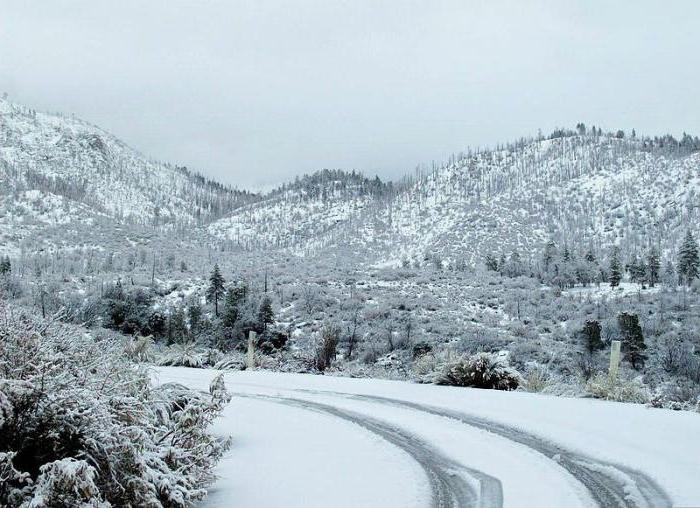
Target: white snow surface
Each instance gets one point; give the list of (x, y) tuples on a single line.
[(295, 456)]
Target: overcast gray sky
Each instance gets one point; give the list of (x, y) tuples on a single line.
[(255, 92)]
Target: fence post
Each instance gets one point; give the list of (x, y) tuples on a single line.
[(614, 359), (250, 356)]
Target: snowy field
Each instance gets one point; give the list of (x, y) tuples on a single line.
[(315, 441)]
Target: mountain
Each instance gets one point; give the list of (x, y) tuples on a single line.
[(580, 189), (59, 170), (305, 215), (65, 180)]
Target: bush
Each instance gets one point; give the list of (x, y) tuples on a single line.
[(183, 355), (679, 394), (326, 350), (537, 379), (80, 425), (482, 370), (601, 386), (421, 349)]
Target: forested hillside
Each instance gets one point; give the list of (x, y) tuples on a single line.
[(65, 162), (582, 188)]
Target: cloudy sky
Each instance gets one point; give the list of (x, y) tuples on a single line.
[(255, 92)]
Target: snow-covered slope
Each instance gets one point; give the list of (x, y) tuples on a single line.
[(581, 189), (301, 216), (577, 189), (62, 156)]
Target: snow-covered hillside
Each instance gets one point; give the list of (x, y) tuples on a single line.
[(303, 215), (66, 159), (580, 189)]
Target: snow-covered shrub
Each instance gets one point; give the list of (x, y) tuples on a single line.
[(426, 368), (601, 386), (536, 379), (482, 370), (326, 349), (14, 485), (231, 361), (80, 425), (140, 349), (678, 394), (183, 355), (67, 482)]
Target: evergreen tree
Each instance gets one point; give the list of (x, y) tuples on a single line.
[(176, 328), (688, 260), (653, 267), (235, 297), (591, 336), (216, 288), (266, 315), (615, 275), (194, 316), (231, 311), (637, 270), (590, 257), (238, 293), (491, 263), (5, 265), (633, 345), (669, 275), (514, 267)]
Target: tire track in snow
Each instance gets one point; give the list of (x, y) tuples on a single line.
[(449, 488), (611, 486)]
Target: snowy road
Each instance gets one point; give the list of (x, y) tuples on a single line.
[(322, 441)]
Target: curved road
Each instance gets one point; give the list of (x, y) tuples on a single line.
[(458, 447), (449, 488), (609, 485)]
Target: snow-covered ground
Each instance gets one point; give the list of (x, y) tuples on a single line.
[(595, 292), (302, 440)]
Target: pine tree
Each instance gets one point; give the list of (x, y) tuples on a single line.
[(216, 288), (637, 270), (502, 264), (176, 326), (653, 267), (688, 260), (231, 311), (194, 316), (566, 256), (235, 297), (669, 275), (615, 271), (591, 336), (491, 263), (266, 315), (633, 344), (5, 265)]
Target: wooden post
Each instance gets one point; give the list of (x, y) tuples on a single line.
[(614, 359), (250, 356)]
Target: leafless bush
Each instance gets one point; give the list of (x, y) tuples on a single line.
[(602, 386), (327, 349)]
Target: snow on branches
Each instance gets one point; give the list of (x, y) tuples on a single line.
[(80, 425)]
